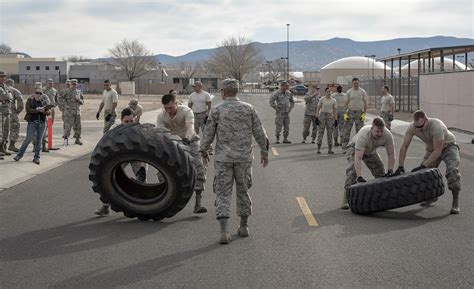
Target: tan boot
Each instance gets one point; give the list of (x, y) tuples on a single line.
[(345, 203), (243, 230), (455, 205), (198, 208), (225, 237)]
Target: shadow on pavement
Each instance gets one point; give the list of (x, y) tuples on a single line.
[(79, 236), (101, 278), (377, 223)]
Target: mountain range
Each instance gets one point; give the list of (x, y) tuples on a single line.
[(311, 55)]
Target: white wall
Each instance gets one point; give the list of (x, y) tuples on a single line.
[(449, 97)]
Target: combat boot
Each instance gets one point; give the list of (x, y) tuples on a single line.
[(277, 140), (313, 140), (66, 141), (319, 149), (78, 141), (12, 147), (225, 237), (4, 149), (428, 203), (103, 210), (198, 209), (330, 150), (304, 140), (44, 148), (243, 230), (285, 140), (455, 206), (345, 203), (336, 143)]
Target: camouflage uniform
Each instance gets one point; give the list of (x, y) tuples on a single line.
[(233, 123), (311, 102), (355, 112), (341, 99), (283, 103), (326, 121), (450, 156), (199, 121), (16, 108), (52, 94), (6, 99), (72, 112)]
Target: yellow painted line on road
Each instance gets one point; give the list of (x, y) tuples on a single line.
[(307, 212), (275, 152)]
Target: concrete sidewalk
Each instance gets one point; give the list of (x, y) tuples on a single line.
[(13, 173)]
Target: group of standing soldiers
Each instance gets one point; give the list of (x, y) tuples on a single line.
[(335, 112), (68, 101)]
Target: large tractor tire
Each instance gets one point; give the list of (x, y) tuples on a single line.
[(142, 143), (394, 192)]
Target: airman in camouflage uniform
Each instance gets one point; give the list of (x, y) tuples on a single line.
[(52, 94), (17, 106), (311, 100), (363, 148), (341, 99), (61, 95), (6, 99), (233, 123), (440, 146), (282, 101), (326, 118), (73, 99), (356, 107)]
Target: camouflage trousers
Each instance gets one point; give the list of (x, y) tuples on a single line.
[(450, 156), (373, 162), (72, 121), (199, 124), (354, 117), (14, 127), (339, 130), (326, 121), (282, 119), (386, 118), (5, 126), (110, 123), (308, 121), (194, 148), (226, 174)]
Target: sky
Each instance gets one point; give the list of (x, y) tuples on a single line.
[(51, 28)]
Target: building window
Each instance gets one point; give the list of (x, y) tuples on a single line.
[(28, 68), (46, 67), (37, 68), (56, 68), (175, 80)]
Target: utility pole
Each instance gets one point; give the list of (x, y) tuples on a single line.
[(287, 51)]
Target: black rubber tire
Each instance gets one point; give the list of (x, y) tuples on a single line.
[(394, 192), (136, 142)]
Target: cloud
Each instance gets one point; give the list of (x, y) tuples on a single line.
[(89, 28)]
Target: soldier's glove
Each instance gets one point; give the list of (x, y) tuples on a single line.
[(97, 116), (316, 121), (390, 117), (335, 123), (362, 117), (388, 174), (346, 116), (361, 180), (108, 117), (400, 170), (420, 167)]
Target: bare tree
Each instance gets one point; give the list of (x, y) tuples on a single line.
[(235, 57), (133, 58), (5, 48), (188, 70), (76, 58), (277, 69)]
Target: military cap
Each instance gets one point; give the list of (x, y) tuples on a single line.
[(68, 81), (39, 84), (197, 83), (2, 73), (230, 83), (73, 80), (50, 80), (133, 101), (10, 81)]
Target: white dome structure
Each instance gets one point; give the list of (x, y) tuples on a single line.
[(448, 66), (343, 70)]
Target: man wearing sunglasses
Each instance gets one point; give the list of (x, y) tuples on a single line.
[(440, 146)]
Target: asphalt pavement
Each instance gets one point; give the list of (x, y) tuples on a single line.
[(50, 238)]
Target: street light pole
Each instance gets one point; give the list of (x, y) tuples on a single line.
[(287, 51), (269, 71)]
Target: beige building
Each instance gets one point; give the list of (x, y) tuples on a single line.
[(343, 70)]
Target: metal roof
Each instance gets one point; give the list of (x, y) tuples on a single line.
[(431, 52)]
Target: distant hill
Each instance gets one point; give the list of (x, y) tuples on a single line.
[(312, 55)]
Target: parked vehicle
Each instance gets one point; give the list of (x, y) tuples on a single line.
[(299, 89)]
